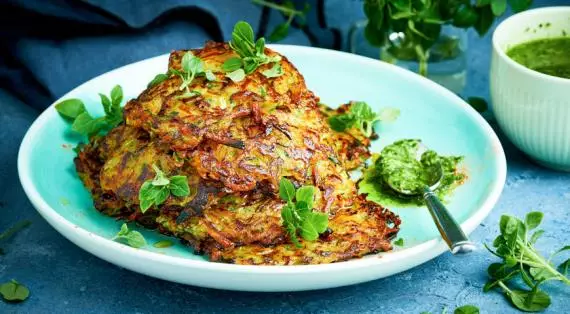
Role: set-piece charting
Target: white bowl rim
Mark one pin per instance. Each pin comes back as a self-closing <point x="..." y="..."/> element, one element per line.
<point x="513" y="63"/>
<point x="430" y="248"/>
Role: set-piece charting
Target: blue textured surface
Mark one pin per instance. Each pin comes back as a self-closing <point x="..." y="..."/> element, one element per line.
<point x="64" y="279"/>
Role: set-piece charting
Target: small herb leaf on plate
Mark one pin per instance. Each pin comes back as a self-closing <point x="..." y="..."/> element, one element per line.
<point x="210" y="76"/>
<point x="84" y="123"/>
<point x="117" y="95"/>
<point x="157" y="190"/>
<point x="274" y="71"/>
<point x="70" y="108"/>
<point x="361" y="116"/>
<point x="313" y="224"/>
<point x="306" y="194"/>
<point x="298" y="215"/>
<point x="388" y="114"/>
<point x="236" y="76"/>
<point x="159" y="78"/>
<point x="14" y="291"/>
<point x="163" y="244"/>
<point x="87" y="125"/>
<point x="251" y="52"/>
<point x="399" y="242"/>
<point x="179" y="186"/>
<point x="286" y="190"/>
<point x="132" y="238"/>
<point x="231" y="64"/>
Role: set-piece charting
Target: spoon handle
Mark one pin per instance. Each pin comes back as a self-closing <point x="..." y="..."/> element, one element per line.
<point x="449" y="229"/>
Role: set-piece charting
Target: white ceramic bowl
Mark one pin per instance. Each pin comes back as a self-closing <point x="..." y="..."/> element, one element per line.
<point x="533" y="109"/>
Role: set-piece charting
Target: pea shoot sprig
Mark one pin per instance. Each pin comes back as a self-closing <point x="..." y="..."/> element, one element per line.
<point x="251" y="54"/>
<point x="515" y="246"/>
<point x="158" y="189"/>
<point x="361" y="116"/>
<point x="132" y="238"/>
<point x="83" y="123"/>
<point x="298" y="215"/>
<point x="287" y="8"/>
<point x="191" y="67"/>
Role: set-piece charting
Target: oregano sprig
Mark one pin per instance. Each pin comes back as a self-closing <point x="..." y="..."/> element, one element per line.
<point x="157" y="190"/>
<point x="287" y="8"/>
<point x="520" y="259"/>
<point x="298" y="215"/>
<point x="191" y="67"/>
<point x="251" y="53"/>
<point x="361" y="116"/>
<point x="132" y="238"/>
<point x="83" y="123"/>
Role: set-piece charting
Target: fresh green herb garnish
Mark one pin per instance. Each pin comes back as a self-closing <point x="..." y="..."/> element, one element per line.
<point x="399" y="242"/>
<point x="298" y="214"/>
<point x="163" y="244"/>
<point x="288" y="9"/>
<point x="251" y="53"/>
<point x="13" y="291"/>
<point x="466" y="309"/>
<point x="515" y="246"/>
<point x="275" y="71"/>
<point x="361" y="116"/>
<point x="159" y="78"/>
<point x="191" y="67"/>
<point x="189" y="94"/>
<point x="157" y="190"/>
<point x="132" y="238"/>
<point x="210" y="76"/>
<point x="236" y="76"/>
<point x="84" y="123"/>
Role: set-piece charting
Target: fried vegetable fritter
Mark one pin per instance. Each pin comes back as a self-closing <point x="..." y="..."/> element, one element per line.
<point x="234" y="142"/>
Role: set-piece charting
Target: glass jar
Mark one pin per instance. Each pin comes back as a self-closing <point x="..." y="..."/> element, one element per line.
<point x="445" y="62"/>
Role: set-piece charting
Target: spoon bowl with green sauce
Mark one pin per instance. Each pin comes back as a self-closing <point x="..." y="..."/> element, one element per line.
<point x="410" y="169"/>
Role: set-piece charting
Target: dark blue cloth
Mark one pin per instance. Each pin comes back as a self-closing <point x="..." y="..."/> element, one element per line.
<point x="48" y="47"/>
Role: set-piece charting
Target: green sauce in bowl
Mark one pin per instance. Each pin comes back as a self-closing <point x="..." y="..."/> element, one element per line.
<point x="549" y="56"/>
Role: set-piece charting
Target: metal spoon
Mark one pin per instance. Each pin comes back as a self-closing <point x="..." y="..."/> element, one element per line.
<point x="449" y="229"/>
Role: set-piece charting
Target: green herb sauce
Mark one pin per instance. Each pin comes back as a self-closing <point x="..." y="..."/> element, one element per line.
<point x="398" y="165"/>
<point x="549" y="56"/>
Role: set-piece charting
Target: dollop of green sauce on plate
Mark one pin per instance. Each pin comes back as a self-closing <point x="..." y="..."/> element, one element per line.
<point x="549" y="56"/>
<point x="399" y="166"/>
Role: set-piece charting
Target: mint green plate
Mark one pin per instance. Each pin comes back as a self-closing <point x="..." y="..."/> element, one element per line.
<point x="441" y="119"/>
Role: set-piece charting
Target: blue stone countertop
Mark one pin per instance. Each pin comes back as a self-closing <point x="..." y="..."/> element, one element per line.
<point x="63" y="278"/>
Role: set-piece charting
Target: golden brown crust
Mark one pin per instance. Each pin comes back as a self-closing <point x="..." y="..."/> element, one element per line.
<point x="234" y="142"/>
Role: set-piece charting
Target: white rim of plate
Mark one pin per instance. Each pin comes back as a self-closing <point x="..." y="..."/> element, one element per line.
<point x="429" y="248"/>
